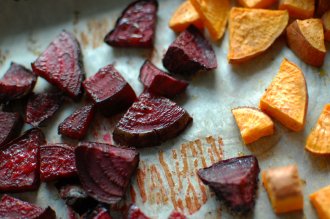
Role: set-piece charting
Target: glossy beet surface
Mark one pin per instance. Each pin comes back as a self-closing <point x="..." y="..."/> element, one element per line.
<point x="136" y="26"/>
<point x="10" y="126"/>
<point x="76" y="125"/>
<point x="176" y="215"/>
<point x="19" y="166"/>
<point x="189" y="53"/>
<point x="61" y="64"/>
<point x="41" y="107"/>
<point x="109" y="91"/>
<point x="234" y="181"/>
<point x="57" y="161"/>
<point x="105" y="170"/>
<point x="76" y="197"/>
<point x="134" y="212"/>
<point x="98" y="212"/>
<point x="12" y="208"/>
<point x="159" y="82"/>
<point x="150" y="121"/>
<point x="16" y="83"/>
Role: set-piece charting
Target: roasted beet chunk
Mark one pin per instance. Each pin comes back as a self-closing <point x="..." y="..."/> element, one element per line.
<point x="134" y="212"/>
<point x="76" y="125"/>
<point x="41" y="107"/>
<point x="100" y="212"/>
<point x="10" y="126"/>
<point x="16" y="83"/>
<point x="159" y="82"/>
<point x="11" y="208"/>
<point x="61" y="64"/>
<point x="234" y="181"/>
<point x="19" y="166"/>
<point x="189" y="53"/>
<point x="105" y="170"/>
<point x="57" y="161"/>
<point x="136" y="26"/>
<point x="150" y="121"/>
<point x="176" y="215"/>
<point x="109" y="91"/>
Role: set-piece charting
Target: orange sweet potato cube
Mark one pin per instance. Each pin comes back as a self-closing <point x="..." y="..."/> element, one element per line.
<point x="301" y="9"/>
<point x="321" y="201"/>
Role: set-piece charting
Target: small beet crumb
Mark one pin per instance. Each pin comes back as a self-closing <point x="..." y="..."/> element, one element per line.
<point x="177" y="215"/>
<point x="99" y="212"/>
<point x="76" y="125"/>
<point x="134" y="212"/>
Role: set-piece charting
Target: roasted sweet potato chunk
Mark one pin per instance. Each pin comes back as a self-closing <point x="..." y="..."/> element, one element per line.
<point x="257" y="3"/>
<point x="104" y="170"/>
<point x="41" y="107"/>
<point x="61" y="64"/>
<point x="252" y="123"/>
<point x="184" y="16"/>
<point x="159" y="82"/>
<point x="326" y="25"/>
<point x="19" y="166"/>
<point x="17" y="82"/>
<point x="301" y="9"/>
<point x="57" y="161"/>
<point x="283" y="186"/>
<point x="321" y="202"/>
<point x="10" y="126"/>
<point x="136" y="25"/>
<point x="214" y="14"/>
<point x="109" y="91"/>
<point x="253" y="31"/>
<point x="150" y="121"/>
<point x="234" y="181"/>
<point x="76" y="125"/>
<point x="189" y="53"/>
<point x="318" y="141"/>
<point x="306" y="39"/>
<point x="286" y="98"/>
<point x="11" y="208"/>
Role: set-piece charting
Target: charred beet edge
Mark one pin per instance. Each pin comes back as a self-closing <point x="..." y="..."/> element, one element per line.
<point x="11" y="207"/>
<point x="57" y="161"/>
<point x="105" y="170"/>
<point x="134" y="212"/>
<point x="19" y="166"/>
<point x="176" y="215"/>
<point x="189" y="53"/>
<point x="150" y="121"/>
<point x="16" y="83"/>
<point x="71" y="213"/>
<point x="76" y="125"/>
<point x="159" y="82"/>
<point x="76" y="197"/>
<point x="234" y="181"/>
<point x="61" y="64"/>
<point x="41" y="107"/>
<point x="109" y="91"/>
<point x="10" y="126"/>
<point x="136" y="26"/>
<point x="99" y="212"/>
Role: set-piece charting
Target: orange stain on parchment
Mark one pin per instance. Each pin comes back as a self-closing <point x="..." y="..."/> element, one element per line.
<point x="176" y="178"/>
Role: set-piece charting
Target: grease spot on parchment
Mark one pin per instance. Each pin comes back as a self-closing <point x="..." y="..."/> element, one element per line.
<point x="98" y="29"/>
<point x="3" y="56"/>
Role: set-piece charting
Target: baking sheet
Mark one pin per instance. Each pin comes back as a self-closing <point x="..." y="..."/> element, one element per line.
<point x="166" y="177"/>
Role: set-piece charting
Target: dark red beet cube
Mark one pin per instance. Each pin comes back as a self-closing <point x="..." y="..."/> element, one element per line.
<point x="105" y="170"/>
<point x="136" y="26"/>
<point x="17" y="82"/>
<point x="12" y="208"/>
<point x="134" y="212"/>
<point x="100" y="212"/>
<point x="19" y="166"/>
<point x="61" y="64"/>
<point x="177" y="215"/>
<point x="10" y="126"/>
<point x="150" y="121"/>
<point x="41" y="107"/>
<point x="159" y="82"/>
<point x="234" y="181"/>
<point x="109" y="91"/>
<point x="57" y="161"/>
<point x="190" y="53"/>
<point x="76" y="125"/>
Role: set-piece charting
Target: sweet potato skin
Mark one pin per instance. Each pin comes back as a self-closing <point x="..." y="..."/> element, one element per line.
<point x="326" y="25"/>
<point x="298" y="43"/>
<point x="301" y="9"/>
